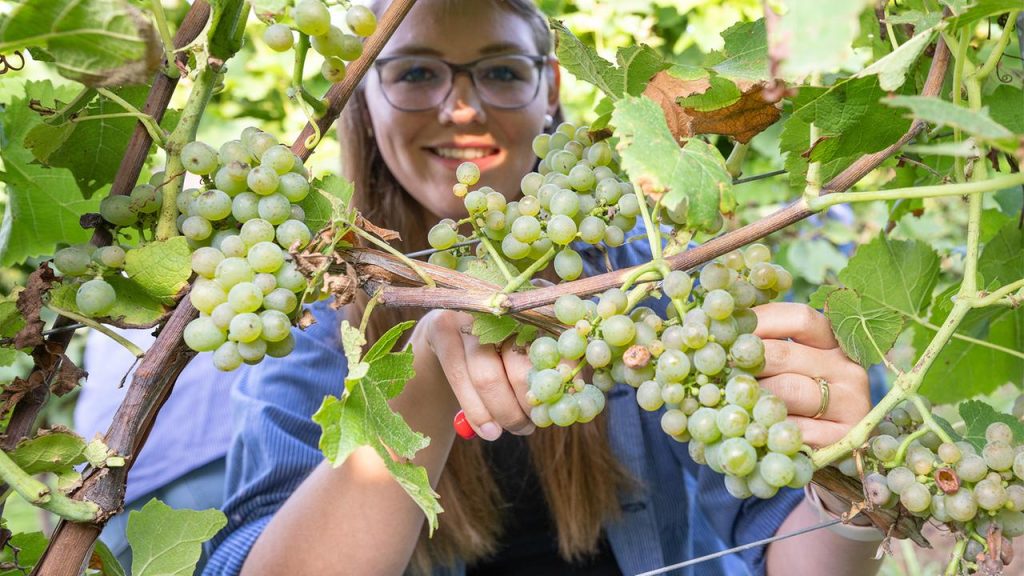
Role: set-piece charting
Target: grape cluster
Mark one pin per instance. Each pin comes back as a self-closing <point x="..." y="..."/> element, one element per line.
<point x="576" y="194"/>
<point x="241" y="224"/>
<point x="953" y="483"/>
<point x="312" y="19"/>
<point x="698" y="363"/>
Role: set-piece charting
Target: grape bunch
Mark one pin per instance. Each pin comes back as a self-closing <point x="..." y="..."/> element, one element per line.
<point x="576" y="194"/>
<point x="311" y="18"/>
<point x="954" y="483"/>
<point x="698" y="364"/>
<point x="241" y="224"/>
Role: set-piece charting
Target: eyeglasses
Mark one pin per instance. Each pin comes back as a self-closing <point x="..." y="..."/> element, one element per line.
<point x="418" y="83"/>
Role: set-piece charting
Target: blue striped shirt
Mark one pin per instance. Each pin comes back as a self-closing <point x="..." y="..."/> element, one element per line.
<point x="679" y="511"/>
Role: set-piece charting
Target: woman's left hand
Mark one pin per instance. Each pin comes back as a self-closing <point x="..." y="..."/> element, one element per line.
<point x="799" y="348"/>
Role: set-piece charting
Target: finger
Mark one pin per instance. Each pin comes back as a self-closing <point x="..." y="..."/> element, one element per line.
<point x="798" y="322"/>
<point x="447" y="345"/>
<point x="818" y="433"/>
<point x="491" y="384"/>
<point x="781" y="356"/>
<point x="802" y="394"/>
<point x="517" y="369"/>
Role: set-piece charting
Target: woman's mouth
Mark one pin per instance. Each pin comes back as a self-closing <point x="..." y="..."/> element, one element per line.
<point x="451" y="156"/>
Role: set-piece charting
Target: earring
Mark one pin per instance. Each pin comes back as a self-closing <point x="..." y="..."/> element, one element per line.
<point x="549" y="121"/>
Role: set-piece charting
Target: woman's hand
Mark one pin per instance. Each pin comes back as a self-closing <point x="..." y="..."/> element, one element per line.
<point x="792" y="366"/>
<point x="488" y="382"/>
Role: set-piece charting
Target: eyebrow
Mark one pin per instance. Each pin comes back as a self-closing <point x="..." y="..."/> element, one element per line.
<point x="496" y="48"/>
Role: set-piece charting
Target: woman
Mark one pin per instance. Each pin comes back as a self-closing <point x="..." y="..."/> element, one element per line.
<point x="614" y="496"/>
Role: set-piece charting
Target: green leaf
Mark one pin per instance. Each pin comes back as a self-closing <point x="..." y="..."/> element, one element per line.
<point x="491" y="329"/>
<point x="983" y="9"/>
<point x="656" y="164"/>
<point x="937" y="111"/>
<point x="91" y="149"/>
<point x="391" y="372"/>
<point x="722" y="92"/>
<point x="978" y="416"/>
<point x="892" y="69"/>
<point x="1002" y="260"/>
<point x="96" y="42"/>
<point x="31" y="546"/>
<point x="52" y="452"/>
<point x="813" y="259"/>
<point x="745" y="54"/>
<point x="1006" y="106"/>
<point x="385" y="343"/>
<point x="484" y="269"/>
<point x="816" y="37"/>
<point x="343" y="427"/>
<point x="11" y="322"/>
<point x="134" y="307"/>
<point x="865" y="331"/>
<point x="636" y="64"/>
<point x="414" y="480"/>
<point x="328" y="201"/>
<point x="105" y="561"/>
<point x="527" y="334"/>
<point x="352" y="342"/>
<point x="44" y="204"/>
<point x="168" y="542"/>
<point x="160" y="269"/>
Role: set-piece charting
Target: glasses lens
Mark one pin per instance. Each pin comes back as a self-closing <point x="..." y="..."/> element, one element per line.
<point x="415" y="83"/>
<point x="507" y="81"/>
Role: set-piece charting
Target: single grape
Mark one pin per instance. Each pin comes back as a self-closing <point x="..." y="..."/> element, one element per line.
<point x="255" y="231"/>
<point x="673" y="422"/>
<point x="777" y="469"/>
<point x="737" y="457"/>
<point x="263" y="180"/>
<point x="648" y="396"/>
<point x="715" y="276"/>
<point x="245" y="327"/>
<point x="732" y="420"/>
<point x="757" y="434"/>
<point x="618" y="330"/>
<point x="614" y="236"/>
<point x="265" y="257"/>
<point x="289" y="277"/>
<point x="196" y="228"/>
<point x="718" y="304"/>
<point x="702" y="425"/>
<point x="769" y="410"/>
<point x="214" y="205"/>
<point x="311" y="17"/>
<point x="571" y="345"/>
<point x="226" y="357"/>
<point x="442" y="236"/>
<point x="561" y="229"/>
<point x="565" y="411"/>
<point x="333" y="69"/>
<point x="971" y="468"/>
<point x="998" y="455"/>
<point x="468" y="173"/>
<point x="916" y="498"/>
<point x="232" y="246"/>
<point x="709" y="395"/>
<point x="598" y="353"/>
<point x="544" y="353"/>
<point x="884" y="447"/>
<point x="784" y="437"/>
<point x="206" y="295"/>
<point x="899" y="478"/>
<point x="199" y="158"/>
<point x="282" y="348"/>
<point x="673" y="366"/>
<point x="202" y="335"/>
<point x="118" y="210"/>
<point x="990" y="494"/>
<point x="361" y="20"/>
<point x="276" y="325"/>
<point x="95" y="297"/>
<point x="747" y="351"/>
<point x="72" y="261"/>
<point x="280" y="299"/>
<point x="513" y="248"/>
<point x="568" y="264"/>
<point x="275" y="208"/>
<point x="245" y="207"/>
<point x="763" y="276"/>
<point x="146" y="199"/>
<point x="278" y="158"/>
<point x="222" y="315"/>
<point x="961" y="505"/>
<point x="756" y="253"/>
<point x="710" y="359"/>
<point x="245" y="297"/>
<point x="278" y="38"/>
<point x="803" y="471"/>
<point x="233" y="270"/>
<point x="293" y="232"/>
<point x="112" y="256"/>
<point x="252" y="352"/>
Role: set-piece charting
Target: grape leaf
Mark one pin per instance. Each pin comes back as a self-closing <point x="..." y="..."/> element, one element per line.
<point x="721" y="93"/>
<point x="1006" y="106"/>
<point x="815" y="37"/>
<point x="11" y="321"/>
<point x="813" y="259"/>
<point x="328" y="200"/>
<point x="695" y="173"/>
<point x="30" y="545"/>
<point x="745" y="52"/>
<point x="636" y="64"/>
<point x="978" y="415"/>
<point x="975" y="122"/>
<point x="362" y="416"/>
<point x="491" y="329"/>
<point x="165" y="541"/>
<point x="103" y="559"/>
<point x="161" y="269"/>
<point x="892" y="68"/>
<point x="484" y="269"/>
<point x="96" y="42"/>
<point x="983" y="9"/>
<point x="49" y="452"/>
<point x="44" y="204"/>
<point x="886" y="281"/>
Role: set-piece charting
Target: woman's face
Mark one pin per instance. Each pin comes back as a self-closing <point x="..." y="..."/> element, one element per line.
<point x="423" y="149"/>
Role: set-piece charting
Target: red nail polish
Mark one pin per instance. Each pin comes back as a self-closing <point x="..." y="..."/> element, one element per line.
<point x="462" y="427"/>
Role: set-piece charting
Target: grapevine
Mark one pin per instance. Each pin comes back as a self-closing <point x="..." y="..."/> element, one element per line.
<point x="253" y="237"/>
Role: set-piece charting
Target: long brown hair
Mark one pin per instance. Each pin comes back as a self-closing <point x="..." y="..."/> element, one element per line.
<point x="578" y="472"/>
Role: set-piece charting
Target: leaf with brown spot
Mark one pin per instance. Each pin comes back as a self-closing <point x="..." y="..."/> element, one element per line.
<point x="30" y="302"/>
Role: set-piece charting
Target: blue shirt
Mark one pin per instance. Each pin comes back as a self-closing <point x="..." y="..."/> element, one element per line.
<point x="680" y="511"/>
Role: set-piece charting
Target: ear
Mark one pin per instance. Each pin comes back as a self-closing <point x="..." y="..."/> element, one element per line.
<point x="554" y="85"/>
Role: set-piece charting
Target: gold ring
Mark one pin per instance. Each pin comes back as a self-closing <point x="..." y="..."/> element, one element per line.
<point x="823" y="386"/>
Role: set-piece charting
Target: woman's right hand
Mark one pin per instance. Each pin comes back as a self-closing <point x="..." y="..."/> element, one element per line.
<point x="488" y="381"/>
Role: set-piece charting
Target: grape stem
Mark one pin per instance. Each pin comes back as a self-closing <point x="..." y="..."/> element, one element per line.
<point x="298" y="70"/>
<point x="498" y="260"/>
<point x="897" y="460"/>
<point x="152" y="126"/>
<point x="930" y="422"/>
<point x="652" y="229"/>
<point x="994" y="297"/>
<point x="126" y="343"/>
<point x="170" y="69"/>
<point x="65" y="114"/>
<point x="936" y="191"/>
<point x="525" y="276"/>
<point x="39" y="494"/>
<point x="953" y="568"/>
<point x="390" y="250"/>
<point x="997" y="49"/>
<point x="734" y="163"/>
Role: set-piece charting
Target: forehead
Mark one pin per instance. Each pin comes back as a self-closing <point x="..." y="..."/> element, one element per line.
<point x="461" y="31"/>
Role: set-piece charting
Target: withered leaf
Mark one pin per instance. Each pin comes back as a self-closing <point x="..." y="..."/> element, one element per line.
<point x="382" y="233"/>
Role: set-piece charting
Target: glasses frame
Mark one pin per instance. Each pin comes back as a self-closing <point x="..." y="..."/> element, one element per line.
<point x="538" y="60"/>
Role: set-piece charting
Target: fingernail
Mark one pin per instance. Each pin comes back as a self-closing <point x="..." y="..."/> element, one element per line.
<point x="462" y="427"/>
<point x="490" y="431"/>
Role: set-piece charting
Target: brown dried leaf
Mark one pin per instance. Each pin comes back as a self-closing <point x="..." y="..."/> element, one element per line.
<point x="382" y="233"/>
<point x="742" y="120"/>
<point x="30" y="302"/>
<point x="15" y="390"/>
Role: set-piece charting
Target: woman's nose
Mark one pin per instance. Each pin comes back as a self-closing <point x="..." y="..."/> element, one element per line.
<point x="463" y="104"/>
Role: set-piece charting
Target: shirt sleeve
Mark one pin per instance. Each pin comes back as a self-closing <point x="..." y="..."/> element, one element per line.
<point x="275" y="444"/>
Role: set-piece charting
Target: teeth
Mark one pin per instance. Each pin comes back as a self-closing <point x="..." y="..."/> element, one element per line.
<point x="463" y="153"/>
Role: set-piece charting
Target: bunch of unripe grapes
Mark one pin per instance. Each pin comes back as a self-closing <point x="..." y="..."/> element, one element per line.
<point x="241" y="225"/>
<point x="698" y="364"/>
<point x="952" y="483"/>
<point x="311" y="18"/>
<point x="576" y="194"/>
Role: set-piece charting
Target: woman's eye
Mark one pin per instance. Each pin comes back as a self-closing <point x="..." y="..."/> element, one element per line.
<point x="501" y="74"/>
<point x="417" y="74"/>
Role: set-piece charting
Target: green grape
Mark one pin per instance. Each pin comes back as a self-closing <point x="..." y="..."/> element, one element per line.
<point x="245" y="297"/>
<point x="311" y="17"/>
<point x="715" y="276"/>
<point x="569" y="309"/>
<point x="226" y="357"/>
<point x="757" y="434"/>
<point x="561" y="161"/>
<point x="961" y="505"/>
<point x="769" y="410"/>
<point x="698" y="317"/>
<point x="281" y="299"/>
<point x="289" y="277"/>
<point x="718" y="304"/>
<point x="568" y="264"/>
<point x="737" y="487"/>
<point x="743" y="294"/>
<point x="546" y="385"/>
<point x="732" y="420"/>
<point x="899" y="478"/>
<point x="233" y="270"/>
<point x="265" y="257"/>
<point x="245" y="327"/>
<point x="648" y="396"/>
<point x="541" y="145"/>
<point x="877" y="489"/>
<point x="591" y="401"/>
<point x="255" y="231"/>
<point x="293" y="186"/>
<point x="990" y="494"/>
<point x="916" y="498"/>
<point x="442" y="236"/>
<point x="202" y="335"/>
<point x="581" y="178"/>
<point x="673" y="393"/>
<point x="709" y="394"/>
<point x="971" y="468"/>
<point x="95" y="297"/>
<point x="276" y="325"/>
<point x="214" y="205"/>
<point x="598" y="353"/>
<point x="618" y="330"/>
<point x="513" y="248"/>
<point x="702" y="426"/>
<point x="884" y="447"/>
<point x="278" y="38"/>
<point x="564" y="202"/>
<point x="783" y="279"/>
<point x="747" y="351"/>
<point x="1018" y="468"/>
<point x="206" y="295"/>
<point x="196" y="228"/>
<point x="279" y="158"/>
<point x="742" y="390"/>
<point x="694" y="336"/>
<point x="673" y="366"/>
<point x="72" y="261"/>
<point x="266" y="282"/>
<point x="614" y="236"/>
<point x="949" y="453"/>
<point x="756" y="253"/>
<point x="263" y="180"/>
<point x="677" y="285"/>
<point x="724" y="332"/>
<point x="561" y="230"/>
<point x="803" y="471"/>
<point x="710" y="359"/>
<point x="673" y="422"/>
<point x="282" y="348"/>
<point x="293" y="232"/>
<point x="763" y="276"/>
<point x="112" y="256"/>
<point x="298" y="213"/>
<point x="600" y="153"/>
<point x="785" y="437"/>
<point x="199" y="158"/>
<point x="998" y="455"/>
<point x="920" y="460"/>
<point x="544" y="353"/>
<point x="361" y="20"/>
<point x="565" y="411"/>
<point x="226" y="180"/>
<point x="468" y="173"/>
<point x="628" y="206"/>
<point x="777" y="469"/>
<point x="613" y="301"/>
<point x="444" y="259"/>
<point x="608" y="191"/>
<point x="118" y="210"/>
<point x="275" y="208"/>
<point x="999" y="432"/>
<point x="737" y="457"/>
<point x="333" y="69"/>
<point x="252" y="352"/>
<point x="232" y="246"/>
<point x="592" y="230"/>
<point x="571" y="345"/>
<point x="146" y="199"/>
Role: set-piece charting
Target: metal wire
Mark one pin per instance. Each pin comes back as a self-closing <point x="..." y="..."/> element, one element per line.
<point x="758" y="177"/>
<point x="764" y="542"/>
